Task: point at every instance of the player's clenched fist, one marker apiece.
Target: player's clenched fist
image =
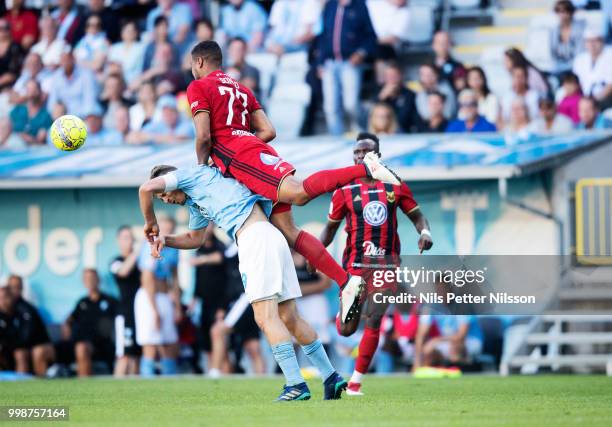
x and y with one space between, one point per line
151 231
157 245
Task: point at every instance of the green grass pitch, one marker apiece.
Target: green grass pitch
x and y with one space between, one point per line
392 401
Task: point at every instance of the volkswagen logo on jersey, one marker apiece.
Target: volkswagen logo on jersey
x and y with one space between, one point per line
370 249
268 159
375 213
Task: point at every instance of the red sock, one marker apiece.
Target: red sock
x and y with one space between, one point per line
313 250
326 181
367 348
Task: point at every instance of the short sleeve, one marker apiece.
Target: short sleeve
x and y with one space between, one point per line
407 202
171 181
196 95
115 266
196 220
337 207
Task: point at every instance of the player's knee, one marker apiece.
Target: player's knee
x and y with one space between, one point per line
82 350
290 319
217 331
301 197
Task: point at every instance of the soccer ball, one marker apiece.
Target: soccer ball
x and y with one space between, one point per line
68 133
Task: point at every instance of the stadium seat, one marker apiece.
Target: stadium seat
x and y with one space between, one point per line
287 108
465 4
421 24
292 68
492 62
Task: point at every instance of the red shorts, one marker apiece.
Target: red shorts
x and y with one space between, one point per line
375 282
259 168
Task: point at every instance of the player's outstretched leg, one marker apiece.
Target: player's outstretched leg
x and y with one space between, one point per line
305 335
267 318
296 192
317 255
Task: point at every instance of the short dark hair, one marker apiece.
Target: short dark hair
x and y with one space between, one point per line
592 100
566 6
239 40
368 135
570 77
204 21
124 227
438 94
208 50
160 170
161 19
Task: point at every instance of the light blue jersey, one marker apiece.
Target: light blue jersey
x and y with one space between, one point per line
213 197
162 268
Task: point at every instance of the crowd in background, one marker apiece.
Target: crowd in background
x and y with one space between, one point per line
214 328
125 68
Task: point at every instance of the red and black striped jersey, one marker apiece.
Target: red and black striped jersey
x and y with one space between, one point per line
371 222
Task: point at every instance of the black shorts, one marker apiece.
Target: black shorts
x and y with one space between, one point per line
243 329
31 334
125 336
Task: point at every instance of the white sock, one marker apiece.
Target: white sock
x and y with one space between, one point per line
214 373
356 377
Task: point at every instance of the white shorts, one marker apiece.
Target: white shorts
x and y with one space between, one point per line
146 332
266 265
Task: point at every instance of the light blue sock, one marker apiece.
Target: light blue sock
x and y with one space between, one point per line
318 357
168 366
147 367
285 357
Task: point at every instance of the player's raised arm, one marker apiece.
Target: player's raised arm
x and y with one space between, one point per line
145 195
203 142
262 126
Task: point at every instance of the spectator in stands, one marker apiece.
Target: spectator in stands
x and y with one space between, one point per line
204 31
179 19
112 98
160 37
568 105
32 70
245 19
122 122
129 52
566 36
382 120
488 104
549 121
127 276
402 99
90 326
145 108
459 341
170 129
34 347
23 23
590 117
436 123
8 326
347 40
292 25
517 128
72 85
470 120
9 139
162 69
429 80
11 57
520 89
236 58
50 46
594 68
31 119
108 17
70 20
97 133
91 50
391 22
448 67
536 80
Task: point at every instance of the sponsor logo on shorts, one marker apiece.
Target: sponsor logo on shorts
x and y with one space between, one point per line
268 159
375 213
370 249
241 133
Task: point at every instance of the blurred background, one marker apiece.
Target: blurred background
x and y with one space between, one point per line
497 113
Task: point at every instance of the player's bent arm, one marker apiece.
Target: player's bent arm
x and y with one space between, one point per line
263 127
145 195
422 226
329 232
193 239
203 141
